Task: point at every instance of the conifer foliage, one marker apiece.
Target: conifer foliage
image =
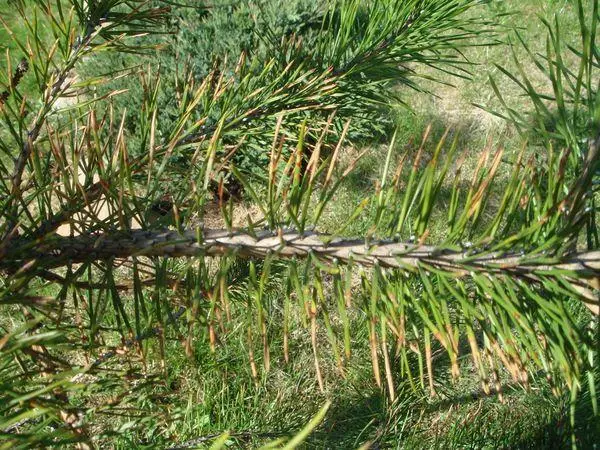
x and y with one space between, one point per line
107 251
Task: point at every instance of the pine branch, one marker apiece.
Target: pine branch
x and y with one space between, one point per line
509 295
580 268
62 83
289 244
96 20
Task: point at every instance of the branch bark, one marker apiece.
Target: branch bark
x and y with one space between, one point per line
581 269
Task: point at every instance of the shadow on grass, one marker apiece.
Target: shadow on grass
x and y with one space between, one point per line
351 422
410 130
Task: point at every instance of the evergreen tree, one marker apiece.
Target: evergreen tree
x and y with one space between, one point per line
110 249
